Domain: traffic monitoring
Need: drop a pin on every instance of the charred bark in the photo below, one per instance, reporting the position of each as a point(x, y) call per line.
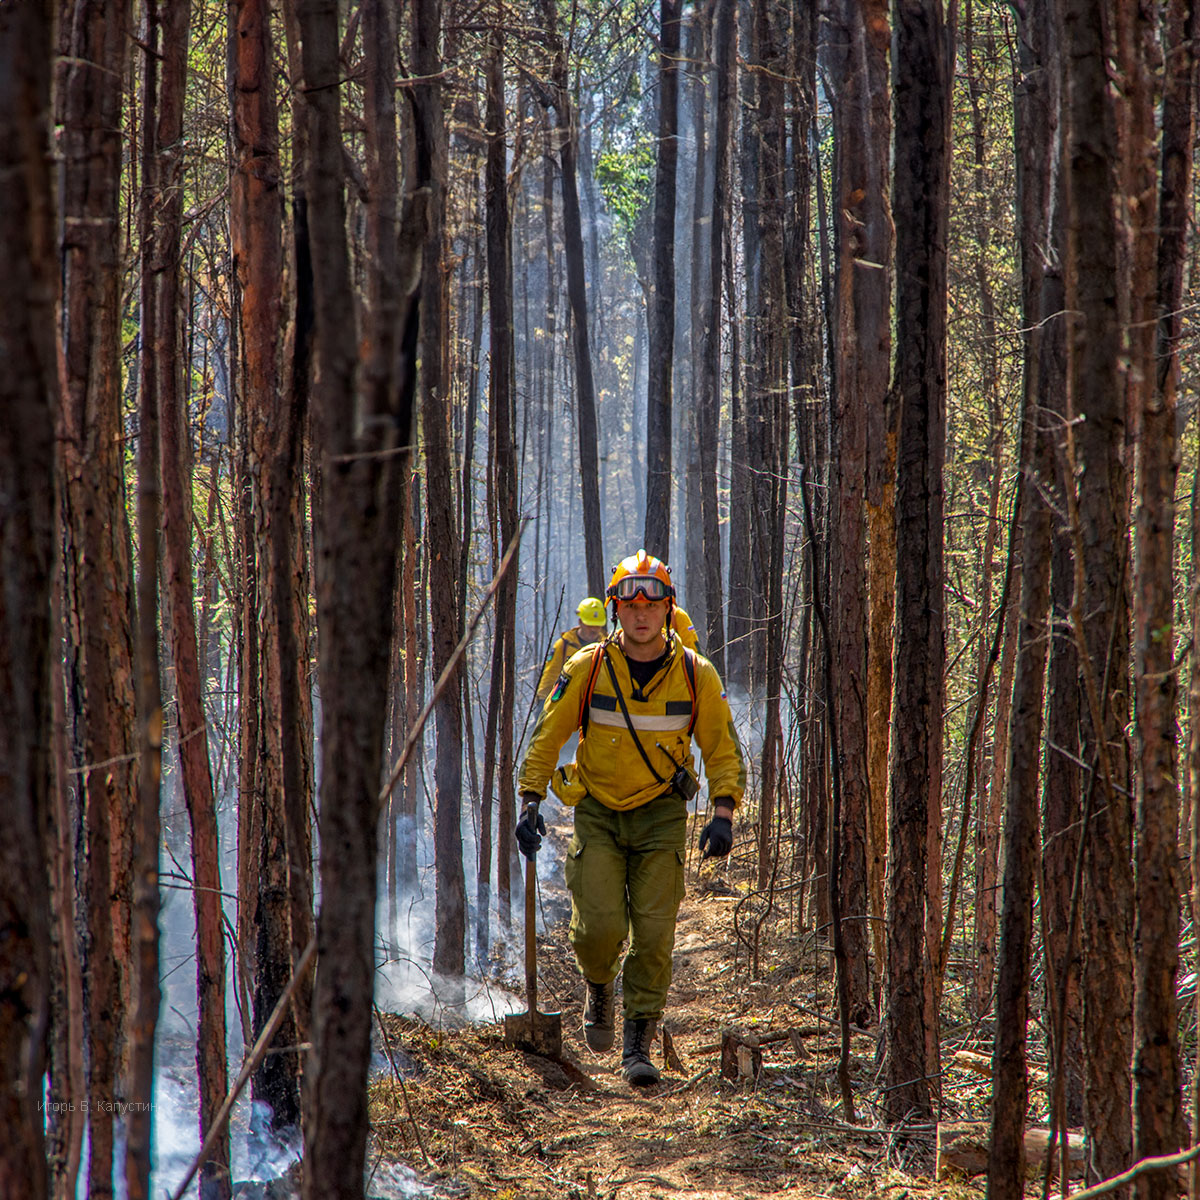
point(28, 400)
point(359, 519)
point(98, 598)
point(1036, 123)
point(921, 116)
point(585, 387)
point(1100, 604)
point(256, 227)
point(174, 456)
point(143, 1018)
point(1158, 1116)
point(709, 386)
point(857, 54)
point(441, 534)
point(657, 537)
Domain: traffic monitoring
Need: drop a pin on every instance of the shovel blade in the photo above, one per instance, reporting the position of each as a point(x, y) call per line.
point(536, 1032)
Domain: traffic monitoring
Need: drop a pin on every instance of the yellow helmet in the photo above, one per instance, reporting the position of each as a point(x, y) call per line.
point(643, 575)
point(591, 612)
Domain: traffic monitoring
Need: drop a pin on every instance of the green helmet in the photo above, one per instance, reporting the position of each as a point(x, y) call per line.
point(591, 612)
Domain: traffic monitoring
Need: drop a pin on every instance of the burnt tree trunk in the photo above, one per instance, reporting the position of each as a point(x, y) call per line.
point(502, 408)
point(858, 69)
point(256, 227)
point(740, 603)
point(659, 479)
point(1061, 775)
point(380, 331)
point(766, 386)
point(1036, 120)
point(28, 400)
point(585, 386)
point(1158, 1116)
point(98, 598)
point(441, 536)
point(709, 370)
point(700, 29)
point(1100, 604)
point(153, 236)
point(175, 466)
point(363, 435)
point(920, 206)
point(877, 238)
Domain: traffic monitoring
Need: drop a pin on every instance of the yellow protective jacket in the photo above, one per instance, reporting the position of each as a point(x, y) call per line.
point(607, 764)
point(564, 646)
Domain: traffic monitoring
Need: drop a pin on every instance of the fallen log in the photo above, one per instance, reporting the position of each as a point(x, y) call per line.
point(789, 1035)
point(963, 1149)
point(981, 1064)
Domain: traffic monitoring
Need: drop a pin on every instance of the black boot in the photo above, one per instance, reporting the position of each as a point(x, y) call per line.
point(598, 1014)
point(635, 1060)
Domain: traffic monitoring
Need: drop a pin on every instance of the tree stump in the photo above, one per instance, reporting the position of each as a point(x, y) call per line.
point(741, 1055)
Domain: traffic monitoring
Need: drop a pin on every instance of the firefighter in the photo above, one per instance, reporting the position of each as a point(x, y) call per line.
point(638, 699)
point(591, 628)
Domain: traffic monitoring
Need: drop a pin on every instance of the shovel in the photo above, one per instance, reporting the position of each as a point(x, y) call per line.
point(537, 1032)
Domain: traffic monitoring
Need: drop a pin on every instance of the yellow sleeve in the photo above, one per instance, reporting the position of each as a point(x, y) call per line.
point(684, 629)
point(552, 669)
point(558, 720)
point(717, 738)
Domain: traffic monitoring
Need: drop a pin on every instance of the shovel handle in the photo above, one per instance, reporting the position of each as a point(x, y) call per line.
point(531, 934)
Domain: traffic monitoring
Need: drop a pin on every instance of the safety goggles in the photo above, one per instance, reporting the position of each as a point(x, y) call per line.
point(649, 587)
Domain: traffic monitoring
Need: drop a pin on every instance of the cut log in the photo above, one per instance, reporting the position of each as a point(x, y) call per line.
point(968, 1060)
point(962, 1149)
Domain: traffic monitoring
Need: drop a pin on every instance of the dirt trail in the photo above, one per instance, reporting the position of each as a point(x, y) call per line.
point(498, 1123)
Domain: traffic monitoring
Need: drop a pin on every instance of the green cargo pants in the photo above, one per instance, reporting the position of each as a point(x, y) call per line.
point(625, 875)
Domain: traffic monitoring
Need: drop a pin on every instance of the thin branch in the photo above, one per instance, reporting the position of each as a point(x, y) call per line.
point(257, 1054)
point(1161, 1163)
point(414, 734)
point(387, 1046)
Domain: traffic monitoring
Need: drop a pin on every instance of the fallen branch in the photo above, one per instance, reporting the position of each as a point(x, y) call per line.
point(1160, 1163)
point(784, 1035)
point(387, 1046)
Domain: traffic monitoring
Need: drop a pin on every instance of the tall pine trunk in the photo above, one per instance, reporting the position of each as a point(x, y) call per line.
point(273, 735)
point(920, 206)
point(1158, 1115)
point(709, 370)
point(1035, 126)
point(28, 399)
point(153, 238)
point(359, 521)
point(1100, 605)
point(659, 490)
point(177, 513)
point(858, 68)
point(98, 598)
point(441, 534)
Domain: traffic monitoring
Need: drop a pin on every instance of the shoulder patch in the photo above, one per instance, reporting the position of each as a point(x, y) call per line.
point(560, 686)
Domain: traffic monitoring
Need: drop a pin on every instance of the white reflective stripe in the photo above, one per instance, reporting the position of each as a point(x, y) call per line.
point(602, 716)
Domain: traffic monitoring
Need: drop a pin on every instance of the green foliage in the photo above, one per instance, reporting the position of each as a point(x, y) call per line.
point(626, 180)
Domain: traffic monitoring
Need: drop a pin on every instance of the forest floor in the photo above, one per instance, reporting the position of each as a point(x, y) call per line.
point(473, 1118)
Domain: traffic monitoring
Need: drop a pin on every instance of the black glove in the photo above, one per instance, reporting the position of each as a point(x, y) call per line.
point(529, 829)
point(716, 838)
